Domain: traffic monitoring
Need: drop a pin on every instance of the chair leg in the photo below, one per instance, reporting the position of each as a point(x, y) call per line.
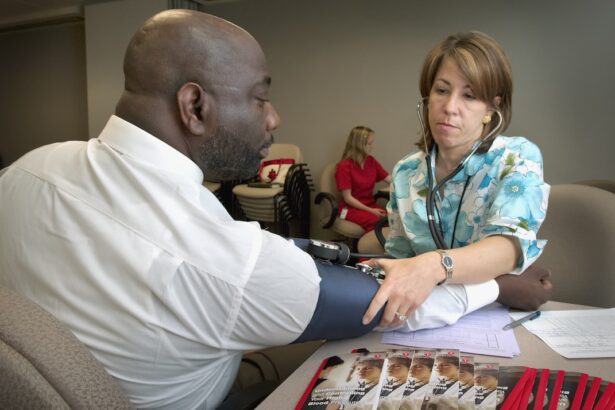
point(350, 242)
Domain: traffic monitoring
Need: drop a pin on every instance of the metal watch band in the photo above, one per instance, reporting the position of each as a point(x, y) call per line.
point(447, 262)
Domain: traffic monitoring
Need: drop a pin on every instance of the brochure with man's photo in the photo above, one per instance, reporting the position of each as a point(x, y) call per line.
point(397, 371)
point(466, 382)
point(486, 384)
point(444, 381)
point(348, 381)
point(425, 379)
point(417, 385)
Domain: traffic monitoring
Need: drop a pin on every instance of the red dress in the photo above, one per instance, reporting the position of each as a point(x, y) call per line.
point(361, 182)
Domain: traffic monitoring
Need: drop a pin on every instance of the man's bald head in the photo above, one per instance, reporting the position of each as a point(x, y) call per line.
point(200, 84)
point(178, 46)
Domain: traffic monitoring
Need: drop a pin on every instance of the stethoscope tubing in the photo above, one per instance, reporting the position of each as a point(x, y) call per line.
point(430, 202)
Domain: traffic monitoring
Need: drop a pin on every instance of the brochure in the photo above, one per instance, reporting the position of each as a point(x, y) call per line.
point(442, 379)
point(347, 381)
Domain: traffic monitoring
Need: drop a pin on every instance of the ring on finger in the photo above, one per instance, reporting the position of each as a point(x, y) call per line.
point(401, 316)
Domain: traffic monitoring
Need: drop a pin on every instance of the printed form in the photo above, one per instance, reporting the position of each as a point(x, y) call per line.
point(479, 332)
point(576, 334)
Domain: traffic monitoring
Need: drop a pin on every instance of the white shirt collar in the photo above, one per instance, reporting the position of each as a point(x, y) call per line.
point(131, 140)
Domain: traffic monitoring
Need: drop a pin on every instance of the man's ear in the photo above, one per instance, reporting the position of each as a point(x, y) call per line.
point(195, 108)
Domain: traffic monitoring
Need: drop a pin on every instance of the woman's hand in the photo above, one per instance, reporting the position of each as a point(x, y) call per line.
point(378, 212)
point(407, 284)
point(355, 203)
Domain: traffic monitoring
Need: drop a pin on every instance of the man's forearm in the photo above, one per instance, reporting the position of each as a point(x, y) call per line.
point(447, 304)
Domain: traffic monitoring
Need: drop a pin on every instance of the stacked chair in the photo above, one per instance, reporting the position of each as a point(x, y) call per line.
point(277, 205)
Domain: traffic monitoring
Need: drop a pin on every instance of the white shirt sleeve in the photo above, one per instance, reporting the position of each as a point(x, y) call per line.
point(446, 304)
point(279, 299)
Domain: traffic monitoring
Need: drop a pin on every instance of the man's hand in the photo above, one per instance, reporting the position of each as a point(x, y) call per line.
point(526, 291)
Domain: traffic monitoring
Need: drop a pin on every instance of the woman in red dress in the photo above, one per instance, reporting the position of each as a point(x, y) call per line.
point(356, 176)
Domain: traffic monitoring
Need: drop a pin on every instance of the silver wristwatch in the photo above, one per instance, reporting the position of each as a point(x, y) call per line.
point(447, 262)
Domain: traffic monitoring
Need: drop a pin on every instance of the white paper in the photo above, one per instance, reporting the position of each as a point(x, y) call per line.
point(479, 332)
point(577, 334)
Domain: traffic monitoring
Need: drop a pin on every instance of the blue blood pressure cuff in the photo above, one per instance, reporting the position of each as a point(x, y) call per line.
point(345, 295)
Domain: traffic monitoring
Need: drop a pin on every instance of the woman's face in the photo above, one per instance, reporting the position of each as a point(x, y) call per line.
point(369, 144)
point(455, 115)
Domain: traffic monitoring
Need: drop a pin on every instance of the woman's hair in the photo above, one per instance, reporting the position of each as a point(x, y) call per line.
point(355, 145)
point(484, 64)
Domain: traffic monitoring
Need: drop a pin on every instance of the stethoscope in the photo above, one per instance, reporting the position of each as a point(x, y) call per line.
point(430, 202)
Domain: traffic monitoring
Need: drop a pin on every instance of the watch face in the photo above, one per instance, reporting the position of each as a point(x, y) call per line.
point(447, 261)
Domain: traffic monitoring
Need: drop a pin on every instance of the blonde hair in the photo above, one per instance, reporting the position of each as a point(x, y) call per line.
point(484, 64)
point(356, 143)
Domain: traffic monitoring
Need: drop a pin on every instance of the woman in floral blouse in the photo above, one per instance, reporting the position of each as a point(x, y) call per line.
point(489, 213)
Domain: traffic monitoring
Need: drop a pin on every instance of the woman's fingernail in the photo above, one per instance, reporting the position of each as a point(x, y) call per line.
point(366, 320)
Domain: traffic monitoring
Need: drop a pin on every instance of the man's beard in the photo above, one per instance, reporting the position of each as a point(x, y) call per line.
point(226, 157)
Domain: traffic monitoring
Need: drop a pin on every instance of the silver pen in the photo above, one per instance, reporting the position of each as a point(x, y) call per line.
point(521, 321)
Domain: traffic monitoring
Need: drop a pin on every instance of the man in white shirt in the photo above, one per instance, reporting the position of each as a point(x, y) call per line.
point(118, 238)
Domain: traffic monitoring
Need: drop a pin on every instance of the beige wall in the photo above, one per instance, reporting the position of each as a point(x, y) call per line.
point(109, 27)
point(42, 88)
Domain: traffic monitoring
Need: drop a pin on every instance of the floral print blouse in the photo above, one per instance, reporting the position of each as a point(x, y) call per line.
point(505, 195)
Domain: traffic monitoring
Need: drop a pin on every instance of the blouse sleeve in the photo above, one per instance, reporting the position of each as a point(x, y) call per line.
point(397, 244)
point(342, 175)
point(518, 205)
